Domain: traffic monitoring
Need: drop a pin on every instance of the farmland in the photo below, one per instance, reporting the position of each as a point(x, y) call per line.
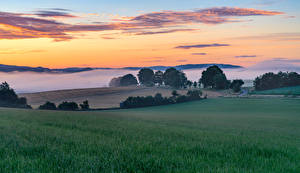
point(280, 91)
point(213, 135)
point(102, 97)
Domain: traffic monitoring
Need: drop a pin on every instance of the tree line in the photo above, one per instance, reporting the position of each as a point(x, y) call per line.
point(66, 106)
point(271, 80)
point(158, 99)
point(212, 77)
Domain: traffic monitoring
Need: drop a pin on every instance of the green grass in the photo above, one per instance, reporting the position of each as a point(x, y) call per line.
point(214, 135)
point(280, 91)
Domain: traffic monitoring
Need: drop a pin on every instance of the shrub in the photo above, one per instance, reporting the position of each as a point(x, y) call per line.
point(236, 85)
point(68, 106)
point(48, 106)
point(85, 105)
point(158, 99)
point(194, 94)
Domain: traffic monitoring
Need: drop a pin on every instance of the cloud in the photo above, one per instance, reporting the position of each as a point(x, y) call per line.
point(163, 31)
point(55, 14)
point(199, 54)
point(201, 46)
point(43, 23)
point(278, 64)
point(182, 60)
point(17, 51)
point(246, 56)
point(154, 59)
point(288, 36)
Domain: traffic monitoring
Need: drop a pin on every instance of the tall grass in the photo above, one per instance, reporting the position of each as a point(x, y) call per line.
point(215, 135)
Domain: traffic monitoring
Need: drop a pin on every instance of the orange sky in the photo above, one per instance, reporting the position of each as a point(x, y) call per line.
point(250, 39)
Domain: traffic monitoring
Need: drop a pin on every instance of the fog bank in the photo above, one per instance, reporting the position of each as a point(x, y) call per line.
point(27, 82)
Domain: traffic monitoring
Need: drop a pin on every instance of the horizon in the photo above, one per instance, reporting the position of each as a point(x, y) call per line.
point(116, 34)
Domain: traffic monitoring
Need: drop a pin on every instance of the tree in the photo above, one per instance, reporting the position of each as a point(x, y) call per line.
point(195, 84)
point(9, 98)
point(85, 105)
point(68, 106)
point(189, 83)
point(208, 76)
point(115, 82)
point(158, 77)
point(128, 80)
point(220, 81)
point(174, 78)
point(236, 85)
point(271, 81)
point(146, 77)
point(7, 94)
point(48, 106)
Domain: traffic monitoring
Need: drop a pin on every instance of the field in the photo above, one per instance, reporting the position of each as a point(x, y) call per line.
point(280, 91)
point(100, 97)
point(214, 135)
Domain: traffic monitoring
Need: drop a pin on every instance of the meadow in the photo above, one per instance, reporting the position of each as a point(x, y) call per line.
point(280, 91)
point(213, 135)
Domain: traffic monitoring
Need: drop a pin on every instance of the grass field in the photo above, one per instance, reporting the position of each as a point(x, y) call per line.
point(214, 135)
point(280, 91)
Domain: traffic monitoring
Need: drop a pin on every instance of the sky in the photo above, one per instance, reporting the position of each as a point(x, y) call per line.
point(115, 33)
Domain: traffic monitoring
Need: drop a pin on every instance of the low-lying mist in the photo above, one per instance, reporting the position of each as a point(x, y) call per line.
point(26, 82)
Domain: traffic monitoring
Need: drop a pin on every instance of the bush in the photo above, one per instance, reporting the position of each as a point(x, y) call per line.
point(85, 105)
point(158, 99)
point(236, 85)
point(48, 106)
point(194, 94)
point(68, 106)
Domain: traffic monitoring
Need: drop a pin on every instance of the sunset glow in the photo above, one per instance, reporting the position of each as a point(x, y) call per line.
point(53, 34)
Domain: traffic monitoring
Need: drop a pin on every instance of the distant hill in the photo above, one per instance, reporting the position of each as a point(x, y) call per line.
point(185, 67)
point(13, 68)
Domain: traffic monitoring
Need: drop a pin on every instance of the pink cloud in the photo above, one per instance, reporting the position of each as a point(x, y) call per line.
point(38, 25)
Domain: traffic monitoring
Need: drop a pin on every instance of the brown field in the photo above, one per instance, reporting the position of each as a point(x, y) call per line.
point(101, 97)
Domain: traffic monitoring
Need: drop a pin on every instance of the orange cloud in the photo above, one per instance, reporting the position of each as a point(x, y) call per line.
point(20, 26)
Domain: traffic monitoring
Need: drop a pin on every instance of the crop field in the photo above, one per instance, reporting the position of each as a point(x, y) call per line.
point(213, 135)
point(102, 97)
point(280, 91)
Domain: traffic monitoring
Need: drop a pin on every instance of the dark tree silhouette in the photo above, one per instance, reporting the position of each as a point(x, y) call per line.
point(158, 77)
point(146, 77)
point(68, 106)
point(195, 84)
point(9, 98)
point(279, 80)
point(174, 78)
point(85, 105)
point(236, 85)
point(214, 77)
point(128, 80)
point(189, 83)
point(220, 81)
point(115, 82)
point(48, 106)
